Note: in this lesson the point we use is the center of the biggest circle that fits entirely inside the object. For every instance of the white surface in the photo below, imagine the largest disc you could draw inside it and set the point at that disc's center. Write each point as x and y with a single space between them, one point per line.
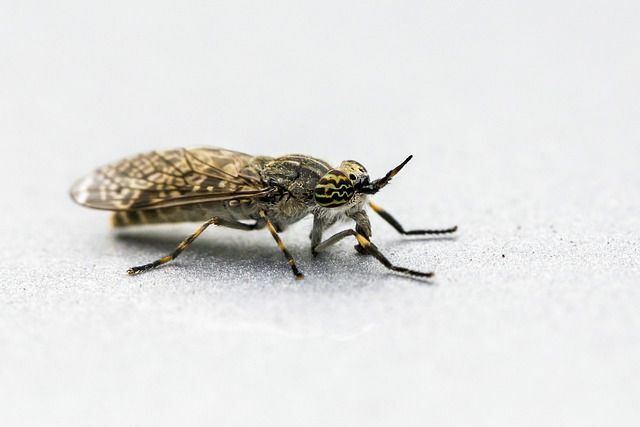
523 119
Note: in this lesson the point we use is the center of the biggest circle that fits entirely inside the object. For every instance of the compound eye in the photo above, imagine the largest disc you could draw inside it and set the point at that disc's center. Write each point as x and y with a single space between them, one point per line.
334 189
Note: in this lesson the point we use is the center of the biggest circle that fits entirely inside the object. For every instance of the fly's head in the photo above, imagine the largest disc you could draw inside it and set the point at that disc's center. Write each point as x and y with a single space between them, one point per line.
349 185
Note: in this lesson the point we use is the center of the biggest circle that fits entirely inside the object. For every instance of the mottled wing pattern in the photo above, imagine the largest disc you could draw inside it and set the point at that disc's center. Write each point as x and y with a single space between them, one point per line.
169 178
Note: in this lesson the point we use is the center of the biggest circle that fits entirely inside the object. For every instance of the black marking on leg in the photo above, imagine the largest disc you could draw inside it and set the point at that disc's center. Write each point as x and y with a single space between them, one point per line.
375 252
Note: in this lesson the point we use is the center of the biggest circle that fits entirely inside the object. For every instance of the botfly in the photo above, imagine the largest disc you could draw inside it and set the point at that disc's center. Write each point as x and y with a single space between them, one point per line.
236 190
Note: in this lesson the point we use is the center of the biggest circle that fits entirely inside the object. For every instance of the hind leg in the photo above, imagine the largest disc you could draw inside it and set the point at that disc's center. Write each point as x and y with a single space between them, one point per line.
186 242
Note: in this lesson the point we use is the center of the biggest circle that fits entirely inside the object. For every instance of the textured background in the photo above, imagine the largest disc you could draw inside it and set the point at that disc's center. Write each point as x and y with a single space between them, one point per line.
523 119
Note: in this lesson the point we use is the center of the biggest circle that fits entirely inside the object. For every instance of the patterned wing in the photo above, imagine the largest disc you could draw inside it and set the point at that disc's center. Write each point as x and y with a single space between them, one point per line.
168 178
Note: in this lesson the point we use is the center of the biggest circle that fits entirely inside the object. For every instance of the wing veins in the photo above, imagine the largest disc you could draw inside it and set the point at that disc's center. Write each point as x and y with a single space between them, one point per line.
189 199
146 176
125 185
170 187
167 162
231 178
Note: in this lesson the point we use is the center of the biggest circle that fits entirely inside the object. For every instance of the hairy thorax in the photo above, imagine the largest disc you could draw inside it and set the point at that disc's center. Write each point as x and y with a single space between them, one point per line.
341 213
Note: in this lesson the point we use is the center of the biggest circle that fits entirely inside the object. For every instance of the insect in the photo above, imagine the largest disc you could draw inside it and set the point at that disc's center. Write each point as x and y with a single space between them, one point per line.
236 190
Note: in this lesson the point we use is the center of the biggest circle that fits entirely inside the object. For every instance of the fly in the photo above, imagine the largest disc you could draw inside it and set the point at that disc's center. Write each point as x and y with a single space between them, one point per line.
236 190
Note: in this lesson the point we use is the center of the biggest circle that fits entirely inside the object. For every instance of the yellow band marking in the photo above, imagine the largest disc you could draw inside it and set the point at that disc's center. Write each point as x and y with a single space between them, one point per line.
362 240
375 207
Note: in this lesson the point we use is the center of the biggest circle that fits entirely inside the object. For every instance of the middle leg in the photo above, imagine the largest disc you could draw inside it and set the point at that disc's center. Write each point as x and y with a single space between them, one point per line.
283 248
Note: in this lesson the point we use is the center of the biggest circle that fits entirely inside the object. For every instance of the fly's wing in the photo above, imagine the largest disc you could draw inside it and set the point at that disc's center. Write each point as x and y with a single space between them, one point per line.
168 178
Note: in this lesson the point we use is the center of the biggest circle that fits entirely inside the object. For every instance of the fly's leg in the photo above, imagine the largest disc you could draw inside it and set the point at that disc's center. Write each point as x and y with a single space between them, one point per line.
395 224
283 248
369 248
363 226
186 242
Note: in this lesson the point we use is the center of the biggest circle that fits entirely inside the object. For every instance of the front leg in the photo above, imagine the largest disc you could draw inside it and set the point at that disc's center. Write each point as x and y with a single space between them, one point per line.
363 226
400 229
370 249
319 226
